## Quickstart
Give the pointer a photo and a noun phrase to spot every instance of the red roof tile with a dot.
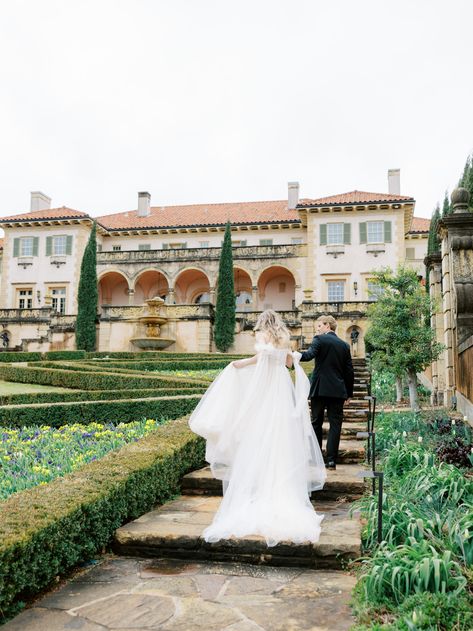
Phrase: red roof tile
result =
(49, 213)
(203, 215)
(355, 197)
(419, 224)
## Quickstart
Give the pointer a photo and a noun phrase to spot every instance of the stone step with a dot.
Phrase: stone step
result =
(343, 482)
(174, 531)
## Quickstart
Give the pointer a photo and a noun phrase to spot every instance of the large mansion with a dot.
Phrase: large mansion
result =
(299, 256)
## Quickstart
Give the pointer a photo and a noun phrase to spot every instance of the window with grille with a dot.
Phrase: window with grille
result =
(25, 298)
(59, 245)
(410, 253)
(59, 299)
(144, 246)
(375, 231)
(266, 242)
(336, 290)
(296, 240)
(203, 244)
(117, 248)
(239, 244)
(374, 290)
(26, 247)
(334, 233)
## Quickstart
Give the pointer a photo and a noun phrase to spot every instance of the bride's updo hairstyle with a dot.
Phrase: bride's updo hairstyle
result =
(270, 324)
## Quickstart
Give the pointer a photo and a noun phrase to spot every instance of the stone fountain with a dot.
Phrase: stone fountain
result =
(153, 319)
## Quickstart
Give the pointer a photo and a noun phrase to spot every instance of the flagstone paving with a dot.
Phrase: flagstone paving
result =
(124, 594)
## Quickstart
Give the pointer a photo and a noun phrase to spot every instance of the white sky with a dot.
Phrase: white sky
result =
(201, 101)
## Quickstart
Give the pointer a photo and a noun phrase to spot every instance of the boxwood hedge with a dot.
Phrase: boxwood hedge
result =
(121, 411)
(49, 529)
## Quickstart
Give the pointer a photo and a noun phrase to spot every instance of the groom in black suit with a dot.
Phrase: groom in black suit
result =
(331, 383)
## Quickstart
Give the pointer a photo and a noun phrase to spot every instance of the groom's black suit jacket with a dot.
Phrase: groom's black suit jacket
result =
(333, 373)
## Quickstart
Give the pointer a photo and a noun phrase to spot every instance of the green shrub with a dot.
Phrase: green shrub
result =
(121, 411)
(445, 612)
(18, 356)
(65, 355)
(94, 395)
(158, 355)
(48, 530)
(86, 380)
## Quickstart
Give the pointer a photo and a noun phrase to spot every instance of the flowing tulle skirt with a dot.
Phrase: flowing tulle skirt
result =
(261, 444)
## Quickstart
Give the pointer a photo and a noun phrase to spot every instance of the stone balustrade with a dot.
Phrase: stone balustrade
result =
(203, 254)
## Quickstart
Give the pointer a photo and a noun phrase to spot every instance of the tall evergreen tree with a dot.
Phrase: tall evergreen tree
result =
(87, 298)
(224, 331)
(446, 207)
(433, 243)
(466, 172)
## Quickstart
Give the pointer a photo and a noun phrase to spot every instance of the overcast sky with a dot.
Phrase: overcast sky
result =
(201, 101)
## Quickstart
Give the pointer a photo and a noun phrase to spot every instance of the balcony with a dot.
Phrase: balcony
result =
(201, 254)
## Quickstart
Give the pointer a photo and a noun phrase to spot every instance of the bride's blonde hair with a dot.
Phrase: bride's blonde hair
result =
(270, 323)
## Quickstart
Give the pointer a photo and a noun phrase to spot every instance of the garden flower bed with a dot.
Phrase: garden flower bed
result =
(420, 577)
(33, 456)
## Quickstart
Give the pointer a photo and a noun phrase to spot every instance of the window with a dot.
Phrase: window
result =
(334, 233)
(117, 248)
(296, 240)
(25, 298)
(26, 249)
(174, 246)
(375, 231)
(239, 244)
(374, 290)
(99, 247)
(410, 253)
(59, 245)
(203, 244)
(266, 242)
(336, 290)
(144, 246)
(59, 299)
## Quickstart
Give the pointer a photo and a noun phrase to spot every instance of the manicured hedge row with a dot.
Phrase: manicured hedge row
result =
(20, 357)
(48, 530)
(88, 380)
(187, 364)
(158, 355)
(93, 395)
(121, 411)
(65, 355)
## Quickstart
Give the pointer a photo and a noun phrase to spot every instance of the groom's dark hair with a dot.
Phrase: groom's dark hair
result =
(330, 320)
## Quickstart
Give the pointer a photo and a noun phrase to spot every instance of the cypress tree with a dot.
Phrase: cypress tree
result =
(87, 298)
(225, 309)
(446, 208)
(433, 243)
(466, 173)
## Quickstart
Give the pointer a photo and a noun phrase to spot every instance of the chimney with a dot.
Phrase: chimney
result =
(39, 201)
(292, 195)
(144, 204)
(394, 181)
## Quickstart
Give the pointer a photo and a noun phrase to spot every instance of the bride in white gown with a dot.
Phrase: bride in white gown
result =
(260, 442)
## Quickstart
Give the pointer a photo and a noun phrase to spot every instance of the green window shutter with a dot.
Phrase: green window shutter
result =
(387, 232)
(69, 244)
(323, 234)
(49, 246)
(35, 246)
(16, 247)
(363, 232)
(347, 233)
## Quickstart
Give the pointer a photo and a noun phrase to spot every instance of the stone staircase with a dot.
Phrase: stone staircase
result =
(174, 530)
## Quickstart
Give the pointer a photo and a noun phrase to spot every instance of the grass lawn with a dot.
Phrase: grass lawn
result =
(12, 387)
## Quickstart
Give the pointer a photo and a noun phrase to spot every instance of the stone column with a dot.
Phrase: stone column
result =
(212, 295)
(171, 297)
(434, 264)
(131, 297)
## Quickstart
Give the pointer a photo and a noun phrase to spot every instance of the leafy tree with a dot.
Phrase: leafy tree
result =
(399, 330)
(87, 298)
(225, 309)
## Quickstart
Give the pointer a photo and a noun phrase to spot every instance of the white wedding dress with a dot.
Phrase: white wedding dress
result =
(260, 442)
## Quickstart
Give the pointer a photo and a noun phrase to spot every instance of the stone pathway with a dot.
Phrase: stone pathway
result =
(125, 594)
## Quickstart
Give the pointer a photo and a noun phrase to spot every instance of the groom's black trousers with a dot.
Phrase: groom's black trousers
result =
(334, 408)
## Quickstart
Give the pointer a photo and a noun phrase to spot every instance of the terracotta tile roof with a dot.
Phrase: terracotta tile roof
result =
(354, 197)
(203, 215)
(49, 213)
(419, 224)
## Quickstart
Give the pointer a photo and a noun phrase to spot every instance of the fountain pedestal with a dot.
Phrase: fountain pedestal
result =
(153, 319)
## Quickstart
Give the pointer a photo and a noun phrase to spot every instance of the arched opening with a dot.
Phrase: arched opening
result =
(191, 287)
(277, 289)
(150, 284)
(354, 338)
(242, 286)
(113, 290)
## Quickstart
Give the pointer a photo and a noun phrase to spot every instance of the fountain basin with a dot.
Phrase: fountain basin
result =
(152, 342)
